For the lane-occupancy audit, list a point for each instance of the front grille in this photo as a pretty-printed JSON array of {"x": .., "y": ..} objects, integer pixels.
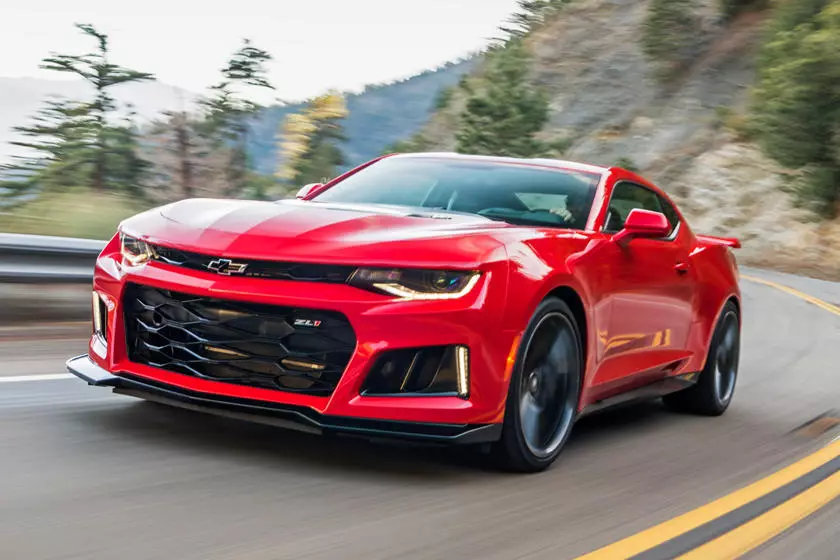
[
  {"x": 302, "y": 272},
  {"x": 272, "y": 347}
]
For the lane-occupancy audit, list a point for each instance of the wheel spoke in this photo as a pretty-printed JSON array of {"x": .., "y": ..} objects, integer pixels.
[
  {"x": 558, "y": 355},
  {"x": 530, "y": 418},
  {"x": 729, "y": 339}
]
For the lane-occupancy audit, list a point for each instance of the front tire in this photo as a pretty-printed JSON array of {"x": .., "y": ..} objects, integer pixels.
[
  {"x": 714, "y": 390},
  {"x": 544, "y": 390}
]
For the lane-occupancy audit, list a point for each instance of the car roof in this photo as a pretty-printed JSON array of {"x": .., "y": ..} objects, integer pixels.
[{"x": 556, "y": 163}]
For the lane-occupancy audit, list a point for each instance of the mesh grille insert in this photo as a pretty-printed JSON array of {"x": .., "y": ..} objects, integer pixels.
[{"x": 272, "y": 347}]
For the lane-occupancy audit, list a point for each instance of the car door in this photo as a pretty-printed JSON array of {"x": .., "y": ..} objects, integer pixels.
[{"x": 650, "y": 289}]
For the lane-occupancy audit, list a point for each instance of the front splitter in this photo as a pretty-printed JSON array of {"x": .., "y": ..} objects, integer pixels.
[{"x": 286, "y": 416}]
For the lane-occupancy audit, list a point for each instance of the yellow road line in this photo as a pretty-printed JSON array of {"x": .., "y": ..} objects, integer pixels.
[
  {"x": 761, "y": 529},
  {"x": 810, "y": 299},
  {"x": 677, "y": 526}
]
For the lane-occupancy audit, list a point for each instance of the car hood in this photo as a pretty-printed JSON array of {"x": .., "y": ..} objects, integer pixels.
[{"x": 320, "y": 232}]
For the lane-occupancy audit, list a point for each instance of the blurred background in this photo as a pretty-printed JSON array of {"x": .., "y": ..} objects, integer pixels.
[{"x": 732, "y": 106}]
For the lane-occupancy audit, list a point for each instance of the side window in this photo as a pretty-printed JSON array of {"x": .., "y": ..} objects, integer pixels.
[
  {"x": 625, "y": 198},
  {"x": 670, "y": 213}
]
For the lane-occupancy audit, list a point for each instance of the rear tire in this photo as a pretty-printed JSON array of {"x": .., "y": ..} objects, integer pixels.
[
  {"x": 544, "y": 389},
  {"x": 714, "y": 390}
]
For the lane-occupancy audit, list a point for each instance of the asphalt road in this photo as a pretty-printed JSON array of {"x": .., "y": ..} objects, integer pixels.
[{"x": 86, "y": 474}]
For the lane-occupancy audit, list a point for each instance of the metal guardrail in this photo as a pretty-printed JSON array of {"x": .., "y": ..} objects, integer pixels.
[{"x": 43, "y": 259}]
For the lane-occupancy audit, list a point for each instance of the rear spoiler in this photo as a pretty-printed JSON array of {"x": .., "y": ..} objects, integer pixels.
[{"x": 731, "y": 242}]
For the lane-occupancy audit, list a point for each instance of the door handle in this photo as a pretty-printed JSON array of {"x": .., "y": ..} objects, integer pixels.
[{"x": 681, "y": 267}]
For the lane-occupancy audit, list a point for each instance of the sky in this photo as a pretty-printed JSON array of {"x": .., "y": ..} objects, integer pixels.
[{"x": 316, "y": 44}]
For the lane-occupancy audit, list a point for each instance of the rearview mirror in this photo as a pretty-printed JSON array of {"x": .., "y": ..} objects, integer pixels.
[
  {"x": 306, "y": 190},
  {"x": 644, "y": 224}
]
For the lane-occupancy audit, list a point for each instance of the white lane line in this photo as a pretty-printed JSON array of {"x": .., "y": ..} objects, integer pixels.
[{"x": 46, "y": 377}]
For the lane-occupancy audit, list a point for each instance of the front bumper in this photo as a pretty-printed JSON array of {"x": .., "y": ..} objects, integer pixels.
[
  {"x": 283, "y": 415},
  {"x": 381, "y": 324}
]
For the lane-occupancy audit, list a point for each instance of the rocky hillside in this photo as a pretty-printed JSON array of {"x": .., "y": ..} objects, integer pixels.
[{"x": 608, "y": 105}]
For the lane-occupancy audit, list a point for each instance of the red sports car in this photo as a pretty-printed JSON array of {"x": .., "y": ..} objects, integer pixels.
[{"x": 436, "y": 297}]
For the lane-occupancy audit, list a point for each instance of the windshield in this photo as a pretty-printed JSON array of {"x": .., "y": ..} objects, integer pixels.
[{"x": 513, "y": 193}]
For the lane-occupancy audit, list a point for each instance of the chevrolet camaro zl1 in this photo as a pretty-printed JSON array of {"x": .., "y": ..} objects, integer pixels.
[{"x": 436, "y": 297}]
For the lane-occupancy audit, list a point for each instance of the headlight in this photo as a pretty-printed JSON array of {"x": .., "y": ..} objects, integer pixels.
[
  {"x": 134, "y": 251},
  {"x": 415, "y": 284}
]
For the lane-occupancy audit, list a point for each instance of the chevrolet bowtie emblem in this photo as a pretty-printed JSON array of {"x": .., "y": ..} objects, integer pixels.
[{"x": 226, "y": 267}]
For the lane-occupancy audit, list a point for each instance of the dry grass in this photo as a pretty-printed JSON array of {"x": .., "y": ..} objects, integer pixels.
[{"x": 74, "y": 213}]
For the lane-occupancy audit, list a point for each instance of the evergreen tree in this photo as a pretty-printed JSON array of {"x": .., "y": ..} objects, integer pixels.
[
  {"x": 529, "y": 14},
  {"x": 227, "y": 109},
  {"x": 503, "y": 117},
  {"x": 309, "y": 140},
  {"x": 97, "y": 70},
  {"x": 415, "y": 143},
  {"x": 797, "y": 98},
  {"x": 124, "y": 168},
  {"x": 73, "y": 142},
  {"x": 58, "y": 143}
]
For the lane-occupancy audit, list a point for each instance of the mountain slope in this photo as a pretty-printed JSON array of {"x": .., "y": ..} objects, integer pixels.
[
  {"x": 379, "y": 116},
  {"x": 606, "y": 102}
]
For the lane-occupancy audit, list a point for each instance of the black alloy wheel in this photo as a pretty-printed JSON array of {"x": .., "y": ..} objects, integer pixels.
[
  {"x": 544, "y": 390},
  {"x": 713, "y": 393}
]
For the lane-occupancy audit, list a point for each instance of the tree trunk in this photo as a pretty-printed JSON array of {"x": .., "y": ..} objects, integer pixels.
[
  {"x": 185, "y": 167},
  {"x": 101, "y": 145},
  {"x": 99, "y": 167}
]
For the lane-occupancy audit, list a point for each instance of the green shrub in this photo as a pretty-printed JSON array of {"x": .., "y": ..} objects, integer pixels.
[
  {"x": 797, "y": 98},
  {"x": 671, "y": 34}
]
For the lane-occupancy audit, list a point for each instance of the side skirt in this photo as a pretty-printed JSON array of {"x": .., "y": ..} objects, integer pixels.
[{"x": 646, "y": 393}]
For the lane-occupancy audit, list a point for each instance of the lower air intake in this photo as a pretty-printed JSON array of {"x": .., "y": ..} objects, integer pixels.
[
  {"x": 433, "y": 370},
  {"x": 271, "y": 347}
]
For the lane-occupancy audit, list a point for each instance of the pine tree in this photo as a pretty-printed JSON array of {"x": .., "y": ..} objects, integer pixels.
[
  {"x": 96, "y": 69},
  {"x": 503, "y": 117},
  {"x": 124, "y": 167},
  {"x": 58, "y": 145},
  {"x": 227, "y": 109},
  {"x": 74, "y": 143},
  {"x": 529, "y": 14},
  {"x": 309, "y": 140},
  {"x": 414, "y": 144},
  {"x": 797, "y": 98}
]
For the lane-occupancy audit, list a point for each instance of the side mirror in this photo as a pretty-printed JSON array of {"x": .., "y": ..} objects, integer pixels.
[
  {"x": 306, "y": 190},
  {"x": 644, "y": 224}
]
